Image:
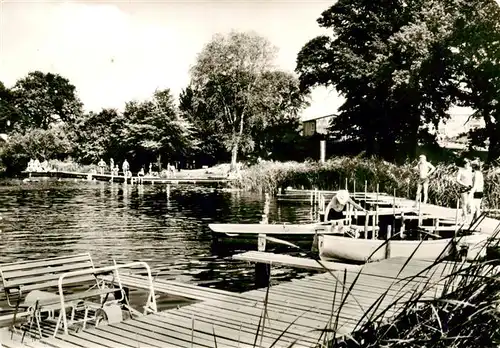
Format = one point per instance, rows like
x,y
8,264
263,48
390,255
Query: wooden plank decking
x,y
292,261
294,311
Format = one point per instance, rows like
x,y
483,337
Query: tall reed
x,y
443,188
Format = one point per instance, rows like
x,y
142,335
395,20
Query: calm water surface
x,y
166,226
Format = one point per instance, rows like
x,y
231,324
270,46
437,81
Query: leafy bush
x,y
36,143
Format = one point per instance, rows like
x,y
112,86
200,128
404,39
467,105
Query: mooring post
x,y
366,204
402,231
346,186
388,242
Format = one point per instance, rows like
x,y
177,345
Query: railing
x,y
151,299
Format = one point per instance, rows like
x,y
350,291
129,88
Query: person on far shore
x,y
125,167
140,176
464,179
111,165
425,169
477,189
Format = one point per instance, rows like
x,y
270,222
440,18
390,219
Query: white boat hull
x,y
276,229
363,250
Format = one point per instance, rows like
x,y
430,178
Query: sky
x,y
116,51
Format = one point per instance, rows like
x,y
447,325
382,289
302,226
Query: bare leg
x,y
419,194
465,204
472,206
426,191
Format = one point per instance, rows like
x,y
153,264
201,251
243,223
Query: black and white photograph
x,y
249,173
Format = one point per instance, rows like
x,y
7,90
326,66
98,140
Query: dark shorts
x,y
478,195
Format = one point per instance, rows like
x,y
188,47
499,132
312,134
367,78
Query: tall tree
x,y
386,58
279,109
210,149
42,99
476,48
8,113
226,80
98,135
155,127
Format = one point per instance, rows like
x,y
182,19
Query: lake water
x,y
166,226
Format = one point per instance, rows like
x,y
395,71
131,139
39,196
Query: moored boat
x,y
364,250
277,229
367,250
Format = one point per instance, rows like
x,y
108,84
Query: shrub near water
x,y
443,188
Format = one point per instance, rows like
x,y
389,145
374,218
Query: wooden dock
x,y
295,312
134,179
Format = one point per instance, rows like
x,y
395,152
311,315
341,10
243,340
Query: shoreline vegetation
x,y
400,180
270,176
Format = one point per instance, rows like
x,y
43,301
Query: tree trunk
x,y
234,151
234,156
493,149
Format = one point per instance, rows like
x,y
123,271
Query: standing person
x,y
464,179
111,165
477,189
101,165
425,169
125,167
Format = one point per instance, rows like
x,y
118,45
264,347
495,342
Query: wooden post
x,y
366,205
346,186
322,151
261,242
376,206
402,234
354,187
374,223
367,214
456,216
388,243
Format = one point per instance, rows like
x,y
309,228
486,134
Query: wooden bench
x,y
32,285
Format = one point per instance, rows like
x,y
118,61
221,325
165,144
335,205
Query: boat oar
x,y
281,241
271,239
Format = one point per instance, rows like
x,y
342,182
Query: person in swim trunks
x,y
425,169
477,189
464,178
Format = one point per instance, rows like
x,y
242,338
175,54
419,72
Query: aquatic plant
x,y
465,312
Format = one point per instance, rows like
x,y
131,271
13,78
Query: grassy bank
x,y
401,179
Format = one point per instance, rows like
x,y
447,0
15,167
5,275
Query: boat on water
x,y
332,247
278,229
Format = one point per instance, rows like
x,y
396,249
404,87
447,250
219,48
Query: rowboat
x,y
364,250
277,229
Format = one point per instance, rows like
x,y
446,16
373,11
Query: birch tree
x,y
226,79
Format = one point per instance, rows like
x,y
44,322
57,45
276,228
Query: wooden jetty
x,y
291,312
131,179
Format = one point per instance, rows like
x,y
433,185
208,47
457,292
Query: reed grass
x,y
465,312
331,175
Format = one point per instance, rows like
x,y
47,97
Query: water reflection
x,y
167,226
